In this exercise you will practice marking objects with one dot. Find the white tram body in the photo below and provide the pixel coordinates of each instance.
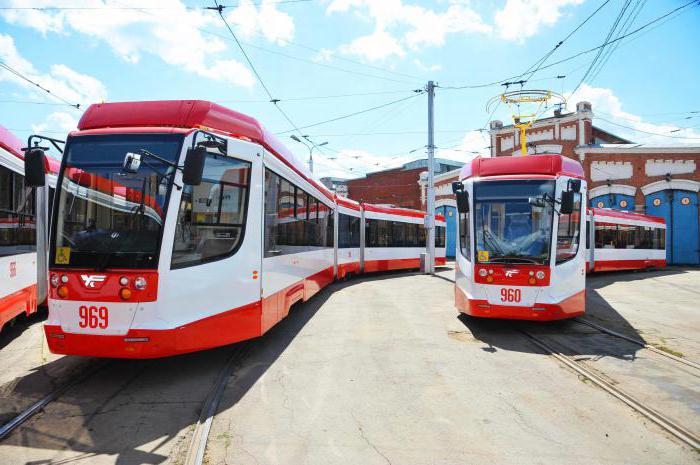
(624, 241)
(145, 265)
(520, 256)
(23, 233)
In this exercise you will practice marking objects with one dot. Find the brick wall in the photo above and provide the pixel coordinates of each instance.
(396, 187)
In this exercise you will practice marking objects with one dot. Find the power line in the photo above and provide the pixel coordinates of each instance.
(37, 85)
(185, 7)
(542, 60)
(576, 55)
(366, 110)
(321, 97)
(647, 132)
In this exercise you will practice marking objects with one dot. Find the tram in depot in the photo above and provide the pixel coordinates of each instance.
(619, 240)
(521, 252)
(182, 225)
(23, 232)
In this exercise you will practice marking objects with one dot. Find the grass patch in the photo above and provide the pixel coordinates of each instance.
(668, 350)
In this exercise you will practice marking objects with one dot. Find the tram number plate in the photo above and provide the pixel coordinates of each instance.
(93, 317)
(510, 295)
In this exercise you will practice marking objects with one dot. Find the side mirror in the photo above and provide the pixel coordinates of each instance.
(35, 168)
(567, 202)
(194, 166)
(457, 186)
(132, 162)
(462, 201)
(575, 185)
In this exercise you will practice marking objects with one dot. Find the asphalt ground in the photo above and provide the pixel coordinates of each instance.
(380, 369)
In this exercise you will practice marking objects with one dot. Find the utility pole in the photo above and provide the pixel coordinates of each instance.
(430, 217)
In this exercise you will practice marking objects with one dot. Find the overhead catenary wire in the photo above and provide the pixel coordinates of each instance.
(581, 53)
(185, 7)
(37, 85)
(646, 132)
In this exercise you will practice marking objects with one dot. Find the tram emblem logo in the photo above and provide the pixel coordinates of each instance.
(91, 280)
(511, 273)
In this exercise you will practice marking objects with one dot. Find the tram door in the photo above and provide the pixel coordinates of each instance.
(680, 210)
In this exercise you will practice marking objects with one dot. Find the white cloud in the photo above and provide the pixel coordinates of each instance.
(398, 26)
(61, 80)
(474, 143)
(377, 46)
(59, 122)
(275, 25)
(171, 32)
(423, 67)
(520, 19)
(607, 105)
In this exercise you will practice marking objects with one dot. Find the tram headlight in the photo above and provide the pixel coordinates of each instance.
(54, 280)
(483, 272)
(124, 281)
(64, 279)
(140, 283)
(540, 275)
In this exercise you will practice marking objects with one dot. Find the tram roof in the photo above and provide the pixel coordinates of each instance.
(553, 165)
(623, 215)
(10, 142)
(192, 114)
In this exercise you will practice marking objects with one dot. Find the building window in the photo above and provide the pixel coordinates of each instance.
(569, 232)
(211, 220)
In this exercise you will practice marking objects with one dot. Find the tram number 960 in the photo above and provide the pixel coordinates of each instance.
(93, 317)
(510, 295)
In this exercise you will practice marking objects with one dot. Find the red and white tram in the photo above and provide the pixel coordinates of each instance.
(521, 224)
(182, 225)
(624, 241)
(23, 232)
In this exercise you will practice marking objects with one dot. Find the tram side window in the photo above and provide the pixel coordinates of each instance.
(464, 239)
(17, 214)
(439, 236)
(348, 231)
(294, 219)
(569, 232)
(384, 233)
(611, 236)
(211, 220)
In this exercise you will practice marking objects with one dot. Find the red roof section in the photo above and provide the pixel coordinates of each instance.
(10, 142)
(627, 215)
(552, 165)
(348, 203)
(192, 114)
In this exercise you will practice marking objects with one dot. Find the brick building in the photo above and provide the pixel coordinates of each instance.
(398, 186)
(657, 180)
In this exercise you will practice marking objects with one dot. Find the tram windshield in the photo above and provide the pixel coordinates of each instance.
(513, 221)
(108, 216)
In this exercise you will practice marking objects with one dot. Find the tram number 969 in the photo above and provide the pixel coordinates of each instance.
(510, 295)
(93, 317)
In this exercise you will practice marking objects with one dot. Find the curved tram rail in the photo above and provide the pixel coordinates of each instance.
(660, 419)
(37, 406)
(610, 332)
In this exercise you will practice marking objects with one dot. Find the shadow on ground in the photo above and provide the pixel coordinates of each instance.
(117, 413)
(569, 337)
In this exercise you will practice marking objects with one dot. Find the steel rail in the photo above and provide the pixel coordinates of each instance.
(30, 411)
(200, 436)
(684, 361)
(666, 423)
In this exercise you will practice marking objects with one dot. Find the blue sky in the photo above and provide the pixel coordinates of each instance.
(378, 51)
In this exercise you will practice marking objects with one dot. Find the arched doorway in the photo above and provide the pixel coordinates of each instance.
(680, 209)
(616, 201)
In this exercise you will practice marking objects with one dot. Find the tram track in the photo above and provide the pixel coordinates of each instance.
(198, 443)
(641, 343)
(7, 428)
(659, 418)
